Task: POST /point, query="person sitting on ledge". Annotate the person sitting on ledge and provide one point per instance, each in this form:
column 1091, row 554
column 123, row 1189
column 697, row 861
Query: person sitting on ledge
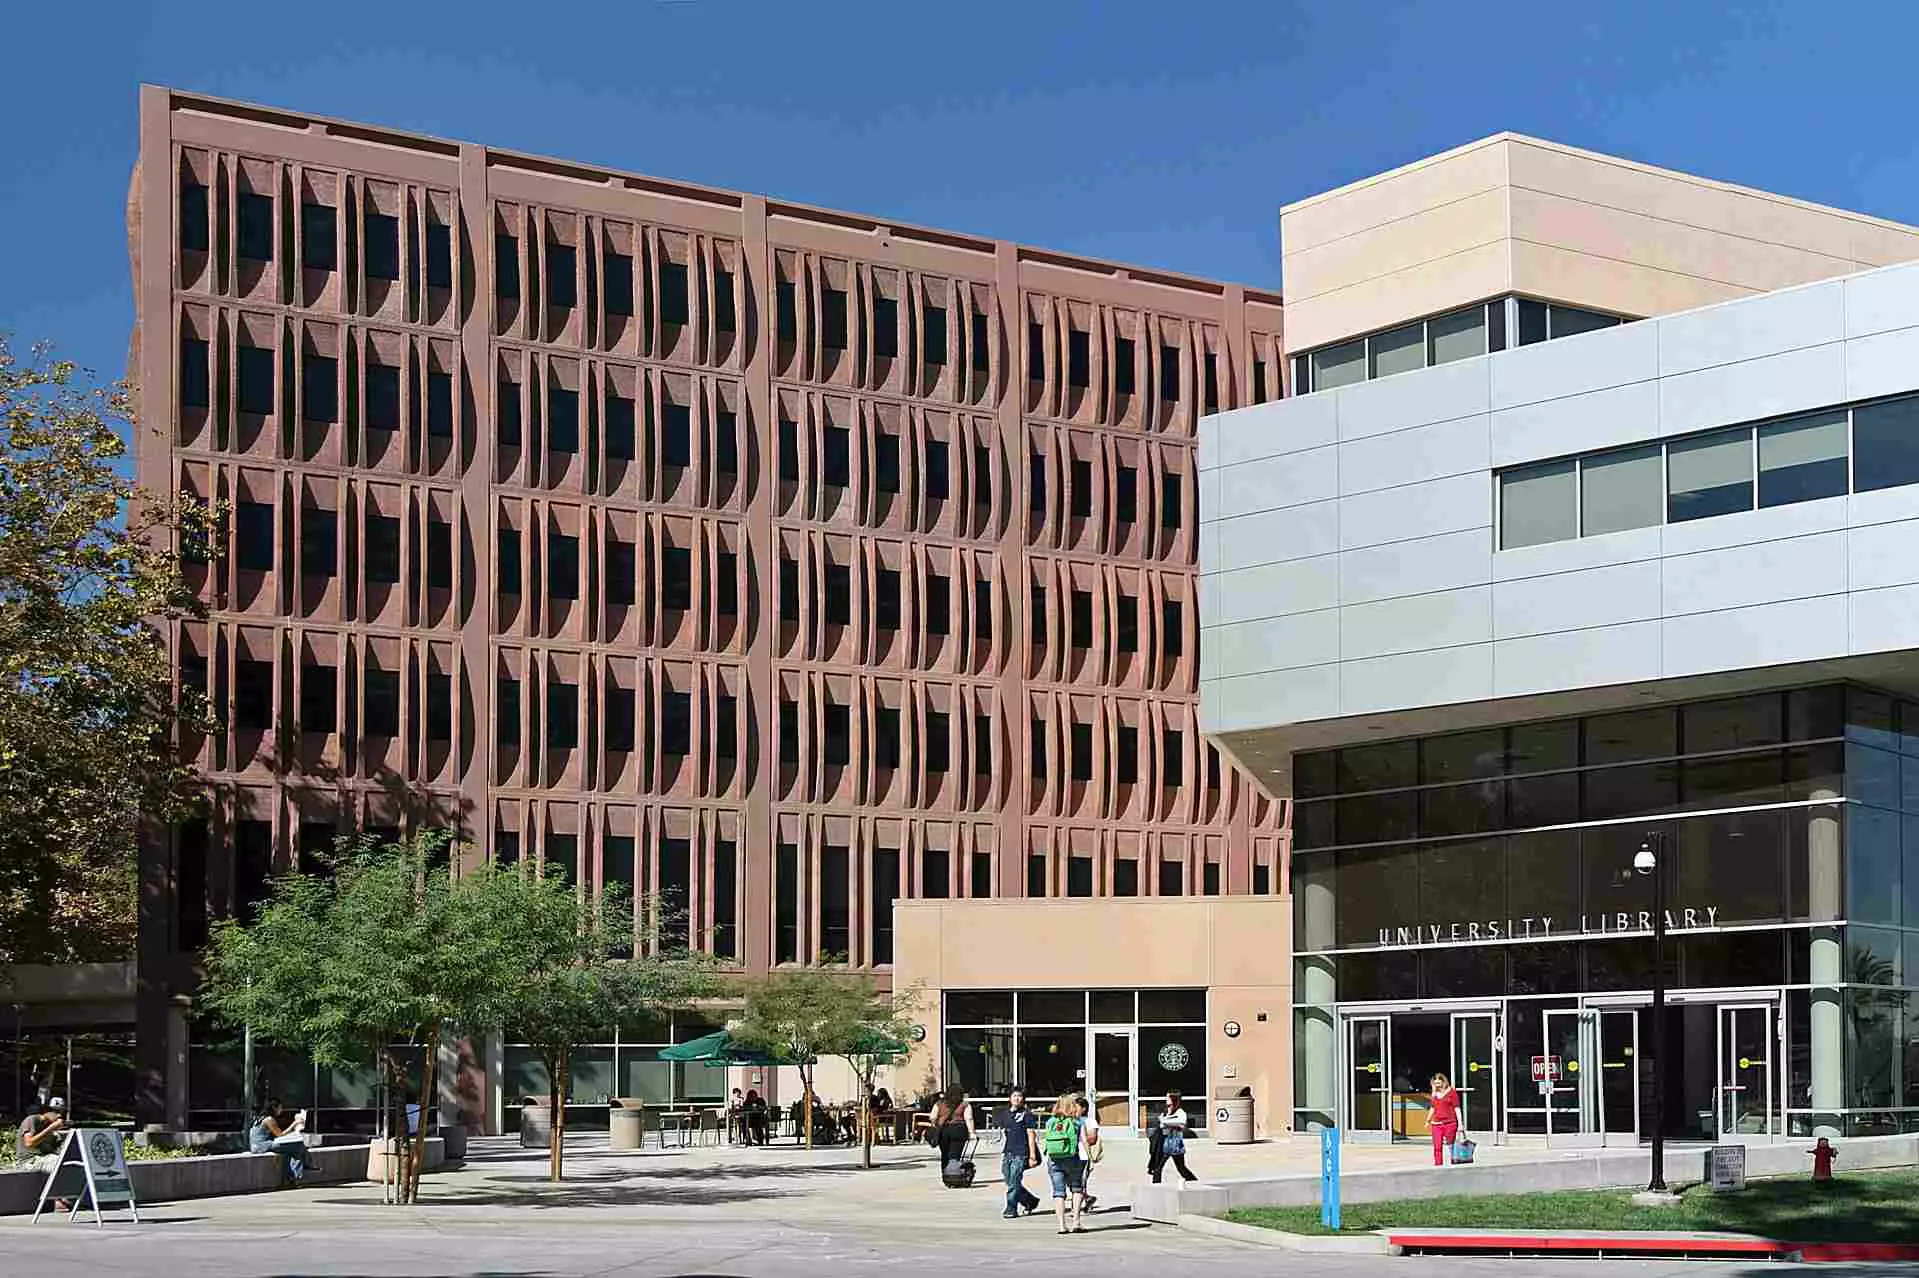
column 282, row 1133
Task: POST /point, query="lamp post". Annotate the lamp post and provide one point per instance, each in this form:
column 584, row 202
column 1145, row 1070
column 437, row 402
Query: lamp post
column 1647, row 861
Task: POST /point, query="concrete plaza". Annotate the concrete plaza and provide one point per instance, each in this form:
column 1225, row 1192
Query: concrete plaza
column 777, row 1213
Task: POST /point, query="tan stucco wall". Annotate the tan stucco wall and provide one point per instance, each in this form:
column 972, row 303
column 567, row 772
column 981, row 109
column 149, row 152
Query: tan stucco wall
column 1238, row 948
column 1516, row 214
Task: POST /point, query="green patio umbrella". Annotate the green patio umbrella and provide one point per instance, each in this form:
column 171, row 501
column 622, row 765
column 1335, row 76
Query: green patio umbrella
column 717, row 1046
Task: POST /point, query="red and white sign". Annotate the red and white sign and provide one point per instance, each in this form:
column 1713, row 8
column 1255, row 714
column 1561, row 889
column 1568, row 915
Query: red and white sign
column 1546, row 1069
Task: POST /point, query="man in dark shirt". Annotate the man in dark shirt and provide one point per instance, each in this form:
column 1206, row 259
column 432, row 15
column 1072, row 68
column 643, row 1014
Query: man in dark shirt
column 1021, row 1126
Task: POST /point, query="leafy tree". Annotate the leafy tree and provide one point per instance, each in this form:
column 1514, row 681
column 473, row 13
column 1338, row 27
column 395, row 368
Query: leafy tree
column 86, row 564
column 568, row 977
column 385, row 952
column 800, row 1016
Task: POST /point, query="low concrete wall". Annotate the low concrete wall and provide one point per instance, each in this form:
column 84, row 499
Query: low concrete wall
column 1579, row 1169
column 210, row 1176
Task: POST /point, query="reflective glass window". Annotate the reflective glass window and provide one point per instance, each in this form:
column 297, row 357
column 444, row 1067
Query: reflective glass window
column 1885, row 442
column 1542, row 747
column 1462, row 755
column 1399, row 350
column 980, row 1007
column 1052, row 1007
column 1874, row 892
column 1378, row 891
column 1378, row 767
column 1460, row 335
column 1538, row 504
column 1622, row 489
column 1340, row 365
column 1631, row 734
column 1803, row 459
column 1735, row 861
column 1738, row 723
column 1709, row 475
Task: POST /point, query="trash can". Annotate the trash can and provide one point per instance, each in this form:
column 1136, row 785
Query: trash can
column 536, row 1125
column 625, row 1126
column 1232, row 1115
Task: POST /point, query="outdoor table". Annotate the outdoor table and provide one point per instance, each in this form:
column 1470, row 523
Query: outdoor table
column 684, row 1122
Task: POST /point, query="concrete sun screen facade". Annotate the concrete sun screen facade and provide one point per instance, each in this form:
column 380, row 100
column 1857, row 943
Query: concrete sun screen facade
column 1497, row 624
column 787, row 563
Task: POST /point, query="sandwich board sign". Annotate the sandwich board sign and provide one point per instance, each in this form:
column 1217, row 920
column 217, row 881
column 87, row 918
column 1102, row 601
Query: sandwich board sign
column 101, row 1158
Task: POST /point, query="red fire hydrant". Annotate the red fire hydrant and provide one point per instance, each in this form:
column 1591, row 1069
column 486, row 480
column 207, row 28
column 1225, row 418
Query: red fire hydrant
column 1823, row 1155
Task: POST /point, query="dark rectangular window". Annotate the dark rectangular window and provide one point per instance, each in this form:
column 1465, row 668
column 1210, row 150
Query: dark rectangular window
column 439, row 706
column 506, row 847
column 382, row 557
column 196, row 378
column 1169, row 373
column 676, row 578
column 676, row 724
column 1212, row 383
column 886, row 599
column 1125, row 876
column 787, row 318
column 1082, row 618
column 789, row 459
column 983, row 611
column 506, row 412
column 1209, row 878
column 1035, row 351
column 786, row 904
column 726, row 443
column 1126, row 755
column 319, row 700
column 836, row 727
column 253, row 227
column 1037, row 611
column 1172, row 758
column 886, row 462
column 886, row 328
column 1172, row 623
column 835, row 914
column 673, row 299
column 252, row 865
column 506, row 710
column 561, row 286
column 789, row 589
column 726, row 728
column 936, row 874
column 982, row 343
column 619, row 283
column 193, row 217
column 620, row 420
column 562, row 857
column 1126, row 624
column 939, row 743
column 838, row 466
column 252, row 695
column 506, row 267
column 789, row 732
column 562, row 420
column 1259, row 397
column 726, row 583
column 725, row 309
column 939, row 605
column 1171, row 505
column 676, row 435
column 886, row 890
column 1885, row 443
column 1081, row 497
column 1036, row 483
column 1079, row 876
column 886, row 737
column 439, row 255
column 382, row 397
column 982, row 475
column 1035, row 874
column 439, row 404
column 622, row 572
column 983, row 744
column 190, row 886
column 1124, row 358
column 1079, row 358
column 1172, row 877
column 833, row 319
column 981, row 875
column 1262, row 879
column 381, row 246
column 439, row 554
column 255, row 376
column 507, row 541
column 726, row 942
column 319, row 237
column 620, row 719
column 253, row 536
column 562, row 715
column 1532, row 321
column 1125, row 495
column 936, row 468
column 933, row 336
column 1038, row 753
column 1082, row 762
column 562, row 566
column 839, row 595
column 380, row 691
column 319, row 543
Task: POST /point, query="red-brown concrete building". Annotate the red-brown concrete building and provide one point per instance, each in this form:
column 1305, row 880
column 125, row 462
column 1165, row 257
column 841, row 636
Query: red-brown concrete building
column 786, row 562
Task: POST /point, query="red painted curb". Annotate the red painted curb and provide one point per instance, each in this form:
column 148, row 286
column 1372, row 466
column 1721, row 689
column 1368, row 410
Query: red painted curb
column 1859, row 1251
column 1811, row 1252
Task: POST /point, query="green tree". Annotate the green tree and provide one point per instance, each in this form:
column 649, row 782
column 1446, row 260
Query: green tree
column 569, row 977
column 801, row 1016
column 368, row 964
column 86, row 715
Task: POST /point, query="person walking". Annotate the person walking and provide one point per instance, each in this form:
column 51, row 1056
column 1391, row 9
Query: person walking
column 1443, row 1119
column 952, row 1127
column 1173, row 1125
column 1060, row 1142
column 1020, row 1154
column 1091, row 1151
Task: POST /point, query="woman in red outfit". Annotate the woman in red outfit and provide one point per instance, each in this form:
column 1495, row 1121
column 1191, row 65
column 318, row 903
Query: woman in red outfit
column 1443, row 1119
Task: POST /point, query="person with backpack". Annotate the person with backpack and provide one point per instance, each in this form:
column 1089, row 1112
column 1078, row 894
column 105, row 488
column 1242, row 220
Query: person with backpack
column 1173, row 1123
column 1060, row 1142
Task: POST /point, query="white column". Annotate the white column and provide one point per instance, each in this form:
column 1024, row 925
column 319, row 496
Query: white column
column 1826, row 968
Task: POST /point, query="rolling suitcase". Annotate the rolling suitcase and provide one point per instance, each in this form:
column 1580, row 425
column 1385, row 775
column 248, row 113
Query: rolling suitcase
column 959, row 1173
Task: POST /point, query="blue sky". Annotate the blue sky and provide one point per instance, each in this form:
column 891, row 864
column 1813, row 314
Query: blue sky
column 1162, row 133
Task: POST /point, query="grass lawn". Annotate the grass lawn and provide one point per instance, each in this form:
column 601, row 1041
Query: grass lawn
column 1862, row 1207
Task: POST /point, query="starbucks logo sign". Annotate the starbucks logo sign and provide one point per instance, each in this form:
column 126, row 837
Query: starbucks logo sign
column 1174, row 1057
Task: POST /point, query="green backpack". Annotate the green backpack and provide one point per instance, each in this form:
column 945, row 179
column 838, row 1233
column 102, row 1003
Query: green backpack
column 1062, row 1138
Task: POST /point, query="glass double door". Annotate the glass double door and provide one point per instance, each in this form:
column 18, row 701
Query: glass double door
column 1590, row 1075
column 1376, row 1089
column 1596, row 1076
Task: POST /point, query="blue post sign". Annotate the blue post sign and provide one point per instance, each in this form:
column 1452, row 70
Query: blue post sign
column 1329, row 1177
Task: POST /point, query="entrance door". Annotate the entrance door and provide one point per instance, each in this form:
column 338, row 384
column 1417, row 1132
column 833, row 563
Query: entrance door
column 1568, row 1098
column 1476, row 1071
column 1369, row 1078
column 1111, row 1085
column 1618, row 1080
column 1745, row 1071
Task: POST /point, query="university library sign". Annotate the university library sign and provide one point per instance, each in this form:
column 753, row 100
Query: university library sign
column 1544, row 927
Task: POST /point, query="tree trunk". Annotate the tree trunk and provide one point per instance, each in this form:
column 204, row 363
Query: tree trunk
column 806, row 1102
column 395, row 1122
column 430, row 1073
column 556, row 1108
